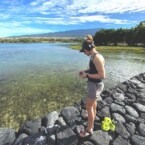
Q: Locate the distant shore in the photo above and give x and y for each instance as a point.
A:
(40, 39)
(77, 43)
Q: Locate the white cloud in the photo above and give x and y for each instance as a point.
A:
(92, 6)
(100, 18)
(34, 3)
(63, 12)
(54, 21)
(116, 6)
(81, 19)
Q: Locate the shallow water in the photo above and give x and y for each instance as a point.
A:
(46, 57)
(37, 78)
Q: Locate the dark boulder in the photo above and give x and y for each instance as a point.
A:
(122, 131)
(130, 118)
(104, 112)
(123, 87)
(138, 83)
(50, 119)
(7, 136)
(130, 128)
(117, 108)
(100, 138)
(30, 127)
(131, 111)
(138, 140)
(106, 93)
(120, 141)
(20, 139)
(118, 117)
(139, 107)
(66, 136)
(69, 113)
(118, 96)
(141, 129)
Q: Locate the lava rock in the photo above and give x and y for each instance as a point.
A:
(118, 96)
(130, 127)
(141, 129)
(130, 118)
(121, 130)
(69, 113)
(139, 107)
(50, 119)
(131, 111)
(20, 139)
(104, 112)
(65, 136)
(117, 108)
(30, 127)
(118, 117)
(100, 138)
(120, 141)
(7, 136)
(138, 140)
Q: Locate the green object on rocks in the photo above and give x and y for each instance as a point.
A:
(108, 124)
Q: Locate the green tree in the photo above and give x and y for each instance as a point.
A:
(140, 33)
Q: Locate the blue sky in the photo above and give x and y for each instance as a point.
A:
(21, 17)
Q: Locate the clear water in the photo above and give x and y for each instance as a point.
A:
(16, 58)
(47, 57)
(38, 78)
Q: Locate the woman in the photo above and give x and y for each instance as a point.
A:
(95, 86)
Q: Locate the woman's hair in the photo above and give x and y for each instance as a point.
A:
(88, 43)
(89, 39)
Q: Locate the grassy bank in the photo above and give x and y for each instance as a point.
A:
(25, 97)
(112, 48)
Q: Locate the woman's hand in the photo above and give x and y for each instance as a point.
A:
(82, 74)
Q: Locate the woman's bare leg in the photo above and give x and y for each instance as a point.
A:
(90, 104)
(95, 107)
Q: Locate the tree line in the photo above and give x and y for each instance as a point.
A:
(131, 37)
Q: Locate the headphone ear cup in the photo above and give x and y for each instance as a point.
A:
(92, 45)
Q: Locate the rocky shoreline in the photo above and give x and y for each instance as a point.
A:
(124, 103)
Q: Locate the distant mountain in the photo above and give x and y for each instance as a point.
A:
(70, 33)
